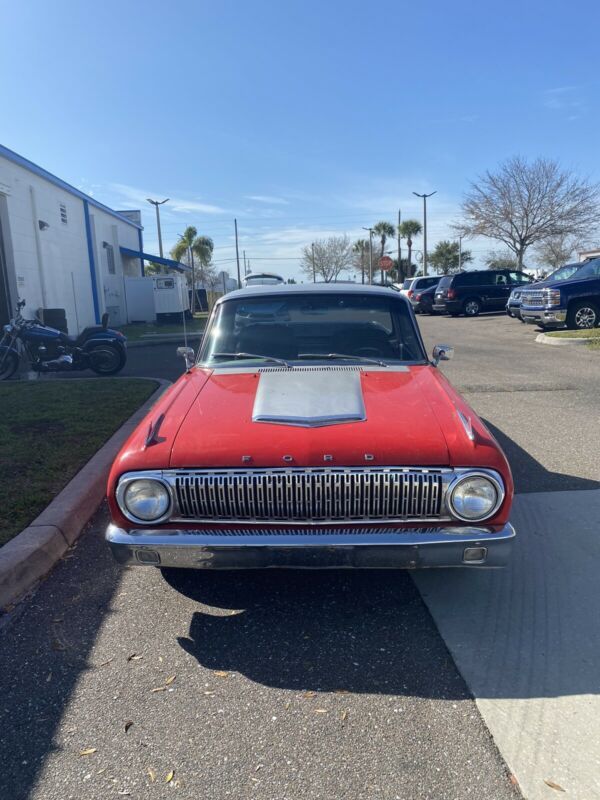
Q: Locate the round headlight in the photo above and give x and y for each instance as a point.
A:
(145, 499)
(474, 497)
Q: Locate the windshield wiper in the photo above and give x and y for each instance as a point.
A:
(282, 362)
(362, 359)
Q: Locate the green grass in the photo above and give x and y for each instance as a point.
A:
(136, 331)
(48, 431)
(592, 333)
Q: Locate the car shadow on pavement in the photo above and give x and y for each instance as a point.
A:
(44, 651)
(531, 476)
(330, 631)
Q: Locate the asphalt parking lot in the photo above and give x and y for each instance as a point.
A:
(307, 685)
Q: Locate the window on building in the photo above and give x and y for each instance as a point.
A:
(63, 213)
(110, 258)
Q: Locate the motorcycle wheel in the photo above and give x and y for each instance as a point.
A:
(106, 359)
(9, 362)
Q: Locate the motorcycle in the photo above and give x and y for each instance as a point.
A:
(98, 347)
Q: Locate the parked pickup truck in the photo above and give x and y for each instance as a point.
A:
(559, 301)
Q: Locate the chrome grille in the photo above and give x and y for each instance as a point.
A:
(309, 495)
(533, 297)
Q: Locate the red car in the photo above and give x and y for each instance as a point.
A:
(312, 430)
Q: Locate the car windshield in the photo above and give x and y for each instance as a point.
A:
(562, 273)
(407, 283)
(311, 326)
(591, 269)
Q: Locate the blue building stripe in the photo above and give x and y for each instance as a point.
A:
(90, 244)
(141, 250)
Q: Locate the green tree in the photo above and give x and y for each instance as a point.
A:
(360, 250)
(190, 247)
(385, 230)
(152, 268)
(409, 229)
(445, 257)
(498, 260)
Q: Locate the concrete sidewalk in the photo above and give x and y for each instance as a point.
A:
(527, 641)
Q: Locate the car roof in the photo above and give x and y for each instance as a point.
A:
(308, 288)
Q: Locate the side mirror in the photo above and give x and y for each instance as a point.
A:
(442, 352)
(188, 354)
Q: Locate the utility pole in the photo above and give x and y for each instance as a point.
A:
(313, 260)
(424, 196)
(370, 253)
(237, 255)
(156, 204)
(244, 255)
(400, 275)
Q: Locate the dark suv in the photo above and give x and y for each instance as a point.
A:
(474, 291)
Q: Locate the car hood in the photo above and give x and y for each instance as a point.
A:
(328, 415)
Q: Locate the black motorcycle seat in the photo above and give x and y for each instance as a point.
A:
(86, 333)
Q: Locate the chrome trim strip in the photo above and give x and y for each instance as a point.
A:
(467, 425)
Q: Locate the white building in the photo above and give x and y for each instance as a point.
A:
(61, 249)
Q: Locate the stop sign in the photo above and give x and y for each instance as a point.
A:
(385, 263)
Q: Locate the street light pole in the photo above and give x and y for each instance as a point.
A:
(156, 204)
(399, 246)
(237, 255)
(370, 253)
(424, 196)
(313, 262)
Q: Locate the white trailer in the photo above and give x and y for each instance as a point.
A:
(154, 295)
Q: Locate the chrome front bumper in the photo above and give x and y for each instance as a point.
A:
(541, 317)
(375, 548)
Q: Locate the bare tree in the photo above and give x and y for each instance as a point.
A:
(524, 203)
(556, 251)
(332, 256)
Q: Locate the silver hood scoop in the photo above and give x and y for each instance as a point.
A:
(309, 397)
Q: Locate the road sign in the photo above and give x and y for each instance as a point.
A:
(385, 263)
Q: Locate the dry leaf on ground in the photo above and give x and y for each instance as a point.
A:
(554, 785)
(128, 725)
(151, 774)
(169, 776)
(159, 689)
(221, 673)
(170, 680)
(88, 751)
(134, 657)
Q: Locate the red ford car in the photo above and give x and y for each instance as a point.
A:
(312, 430)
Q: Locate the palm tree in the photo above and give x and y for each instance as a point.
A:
(408, 229)
(385, 230)
(360, 247)
(190, 245)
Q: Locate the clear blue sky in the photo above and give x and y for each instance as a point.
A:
(300, 118)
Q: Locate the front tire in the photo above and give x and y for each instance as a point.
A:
(9, 363)
(472, 307)
(583, 315)
(106, 359)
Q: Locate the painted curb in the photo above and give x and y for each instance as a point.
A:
(32, 553)
(543, 338)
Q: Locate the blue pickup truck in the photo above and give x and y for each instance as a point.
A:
(570, 297)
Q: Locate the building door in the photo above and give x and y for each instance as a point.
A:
(6, 310)
(114, 301)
